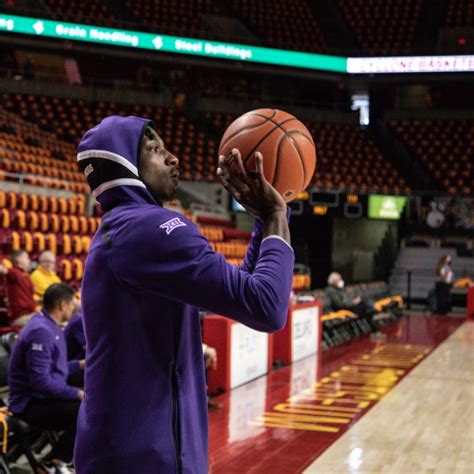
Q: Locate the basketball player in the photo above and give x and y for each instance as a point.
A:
(148, 271)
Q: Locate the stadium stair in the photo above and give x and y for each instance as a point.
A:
(421, 262)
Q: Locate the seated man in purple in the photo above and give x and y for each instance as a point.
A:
(76, 346)
(75, 339)
(38, 372)
(148, 271)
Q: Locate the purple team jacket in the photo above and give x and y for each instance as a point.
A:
(75, 338)
(148, 271)
(38, 366)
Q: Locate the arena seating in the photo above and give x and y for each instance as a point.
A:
(37, 222)
(444, 148)
(170, 17)
(386, 27)
(92, 12)
(460, 13)
(285, 25)
(40, 157)
(349, 159)
(194, 143)
(343, 325)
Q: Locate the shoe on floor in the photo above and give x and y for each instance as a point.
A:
(381, 316)
(213, 405)
(62, 468)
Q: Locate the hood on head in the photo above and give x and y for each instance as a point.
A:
(108, 156)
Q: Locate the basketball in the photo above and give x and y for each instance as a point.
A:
(289, 152)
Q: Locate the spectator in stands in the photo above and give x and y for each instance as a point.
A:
(37, 376)
(147, 273)
(45, 275)
(443, 286)
(340, 299)
(19, 288)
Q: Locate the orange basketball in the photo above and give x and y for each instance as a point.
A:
(289, 153)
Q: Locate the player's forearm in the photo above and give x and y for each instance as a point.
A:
(253, 249)
(277, 224)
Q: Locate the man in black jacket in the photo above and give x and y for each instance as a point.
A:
(340, 299)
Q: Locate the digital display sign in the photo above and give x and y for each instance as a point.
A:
(386, 207)
(232, 51)
(169, 44)
(410, 64)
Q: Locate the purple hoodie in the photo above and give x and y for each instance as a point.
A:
(148, 271)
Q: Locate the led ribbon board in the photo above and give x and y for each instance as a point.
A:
(232, 51)
(170, 44)
(413, 64)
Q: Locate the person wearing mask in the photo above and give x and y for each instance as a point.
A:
(340, 299)
(19, 288)
(210, 363)
(44, 275)
(38, 372)
(443, 285)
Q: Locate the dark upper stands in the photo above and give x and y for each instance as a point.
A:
(95, 12)
(278, 23)
(286, 25)
(171, 17)
(445, 149)
(460, 13)
(382, 27)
